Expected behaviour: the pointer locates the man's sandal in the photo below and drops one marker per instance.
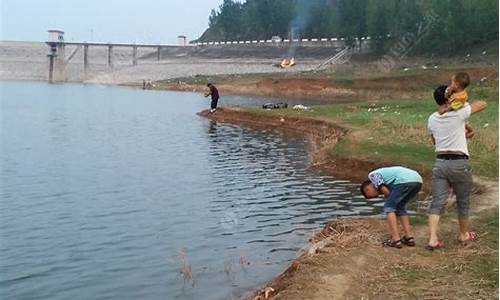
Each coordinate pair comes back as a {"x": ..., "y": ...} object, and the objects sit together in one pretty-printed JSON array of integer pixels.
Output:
[
  {"x": 439, "y": 245},
  {"x": 391, "y": 243},
  {"x": 408, "y": 241}
]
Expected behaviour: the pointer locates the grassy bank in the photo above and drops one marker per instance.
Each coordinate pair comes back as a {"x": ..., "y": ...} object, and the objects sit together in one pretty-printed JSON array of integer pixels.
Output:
[{"x": 395, "y": 132}]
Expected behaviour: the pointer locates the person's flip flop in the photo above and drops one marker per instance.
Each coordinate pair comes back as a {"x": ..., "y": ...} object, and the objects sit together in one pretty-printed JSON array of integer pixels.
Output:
[
  {"x": 439, "y": 245},
  {"x": 472, "y": 237}
]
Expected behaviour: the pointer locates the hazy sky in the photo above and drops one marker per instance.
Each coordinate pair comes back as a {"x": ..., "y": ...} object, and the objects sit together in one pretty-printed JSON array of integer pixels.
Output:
[{"x": 153, "y": 21}]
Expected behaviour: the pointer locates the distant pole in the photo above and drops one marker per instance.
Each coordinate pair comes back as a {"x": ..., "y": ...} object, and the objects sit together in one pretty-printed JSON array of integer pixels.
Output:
[
  {"x": 110, "y": 56},
  {"x": 51, "y": 68},
  {"x": 134, "y": 55},
  {"x": 86, "y": 59},
  {"x": 158, "y": 53}
]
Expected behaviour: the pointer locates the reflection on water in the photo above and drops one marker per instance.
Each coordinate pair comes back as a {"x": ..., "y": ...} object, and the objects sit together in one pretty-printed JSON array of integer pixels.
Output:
[{"x": 127, "y": 194}]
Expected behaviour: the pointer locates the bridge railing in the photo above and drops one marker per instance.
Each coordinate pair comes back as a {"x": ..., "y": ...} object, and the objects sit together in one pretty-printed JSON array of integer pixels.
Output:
[{"x": 282, "y": 42}]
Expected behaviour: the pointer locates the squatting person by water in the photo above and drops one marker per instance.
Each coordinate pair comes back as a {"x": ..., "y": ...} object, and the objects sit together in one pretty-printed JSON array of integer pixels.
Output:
[
  {"x": 399, "y": 185},
  {"x": 452, "y": 168},
  {"x": 214, "y": 92}
]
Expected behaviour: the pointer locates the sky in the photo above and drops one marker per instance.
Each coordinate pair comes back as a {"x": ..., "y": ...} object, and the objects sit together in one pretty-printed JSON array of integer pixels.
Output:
[{"x": 117, "y": 21}]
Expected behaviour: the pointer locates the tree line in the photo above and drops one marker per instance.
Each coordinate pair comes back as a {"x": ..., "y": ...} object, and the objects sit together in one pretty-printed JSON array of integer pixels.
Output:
[{"x": 438, "y": 25}]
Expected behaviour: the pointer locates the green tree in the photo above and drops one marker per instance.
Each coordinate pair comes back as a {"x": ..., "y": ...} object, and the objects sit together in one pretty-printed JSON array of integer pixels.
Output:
[
  {"x": 352, "y": 18},
  {"x": 378, "y": 22},
  {"x": 431, "y": 26}
]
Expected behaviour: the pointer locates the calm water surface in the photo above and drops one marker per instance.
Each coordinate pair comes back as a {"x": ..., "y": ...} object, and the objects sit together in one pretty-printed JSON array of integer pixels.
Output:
[{"x": 114, "y": 193}]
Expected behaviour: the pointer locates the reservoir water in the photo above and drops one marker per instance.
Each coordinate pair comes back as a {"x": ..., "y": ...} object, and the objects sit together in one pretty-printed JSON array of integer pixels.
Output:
[{"x": 116, "y": 193}]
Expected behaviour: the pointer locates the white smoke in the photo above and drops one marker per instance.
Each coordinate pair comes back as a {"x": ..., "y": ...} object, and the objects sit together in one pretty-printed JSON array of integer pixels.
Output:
[{"x": 302, "y": 13}]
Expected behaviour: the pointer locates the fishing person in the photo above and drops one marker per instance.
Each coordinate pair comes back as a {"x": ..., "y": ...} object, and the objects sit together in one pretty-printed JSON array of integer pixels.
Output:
[{"x": 214, "y": 92}]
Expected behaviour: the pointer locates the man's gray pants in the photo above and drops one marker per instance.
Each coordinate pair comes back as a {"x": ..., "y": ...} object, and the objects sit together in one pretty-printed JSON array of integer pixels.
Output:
[{"x": 457, "y": 175}]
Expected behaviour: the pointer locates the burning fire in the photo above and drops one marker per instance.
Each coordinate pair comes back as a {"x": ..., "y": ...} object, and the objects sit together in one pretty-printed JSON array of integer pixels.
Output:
[{"x": 287, "y": 63}]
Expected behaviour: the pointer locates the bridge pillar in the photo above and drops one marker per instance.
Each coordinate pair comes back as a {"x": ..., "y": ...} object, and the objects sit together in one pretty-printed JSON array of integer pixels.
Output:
[
  {"x": 60, "y": 62},
  {"x": 134, "y": 55},
  {"x": 51, "y": 57},
  {"x": 158, "y": 53},
  {"x": 110, "y": 56},
  {"x": 85, "y": 59}
]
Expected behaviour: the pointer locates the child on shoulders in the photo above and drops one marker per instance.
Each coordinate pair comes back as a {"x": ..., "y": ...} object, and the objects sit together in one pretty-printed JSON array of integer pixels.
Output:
[{"x": 455, "y": 93}]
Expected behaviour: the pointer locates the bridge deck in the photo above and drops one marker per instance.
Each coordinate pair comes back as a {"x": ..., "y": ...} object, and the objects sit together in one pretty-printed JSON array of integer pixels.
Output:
[{"x": 112, "y": 44}]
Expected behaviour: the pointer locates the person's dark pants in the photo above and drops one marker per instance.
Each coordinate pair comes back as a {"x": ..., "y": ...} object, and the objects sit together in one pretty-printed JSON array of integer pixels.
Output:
[
  {"x": 400, "y": 195},
  {"x": 213, "y": 104},
  {"x": 457, "y": 175}
]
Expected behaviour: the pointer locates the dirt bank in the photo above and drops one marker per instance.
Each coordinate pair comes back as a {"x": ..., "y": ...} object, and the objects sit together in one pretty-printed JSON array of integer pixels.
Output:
[{"x": 331, "y": 86}]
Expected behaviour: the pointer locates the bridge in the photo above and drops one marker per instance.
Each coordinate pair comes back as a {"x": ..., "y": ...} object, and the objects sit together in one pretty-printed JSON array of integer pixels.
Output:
[{"x": 58, "y": 60}]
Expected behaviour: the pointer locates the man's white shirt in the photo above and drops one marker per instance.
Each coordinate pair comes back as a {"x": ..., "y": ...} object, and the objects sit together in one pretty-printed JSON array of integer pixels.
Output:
[{"x": 448, "y": 130}]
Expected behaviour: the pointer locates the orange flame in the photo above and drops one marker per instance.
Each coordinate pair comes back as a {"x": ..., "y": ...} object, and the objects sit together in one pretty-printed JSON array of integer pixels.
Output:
[{"x": 287, "y": 63}]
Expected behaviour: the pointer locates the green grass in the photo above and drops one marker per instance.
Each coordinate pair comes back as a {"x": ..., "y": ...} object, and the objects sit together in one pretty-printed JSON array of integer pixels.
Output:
[{"x": 396, "y": 131}]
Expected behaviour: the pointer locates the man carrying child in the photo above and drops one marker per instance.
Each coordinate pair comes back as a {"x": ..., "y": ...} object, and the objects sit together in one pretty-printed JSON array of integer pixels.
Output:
[{"x": 449, "y": 132}]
